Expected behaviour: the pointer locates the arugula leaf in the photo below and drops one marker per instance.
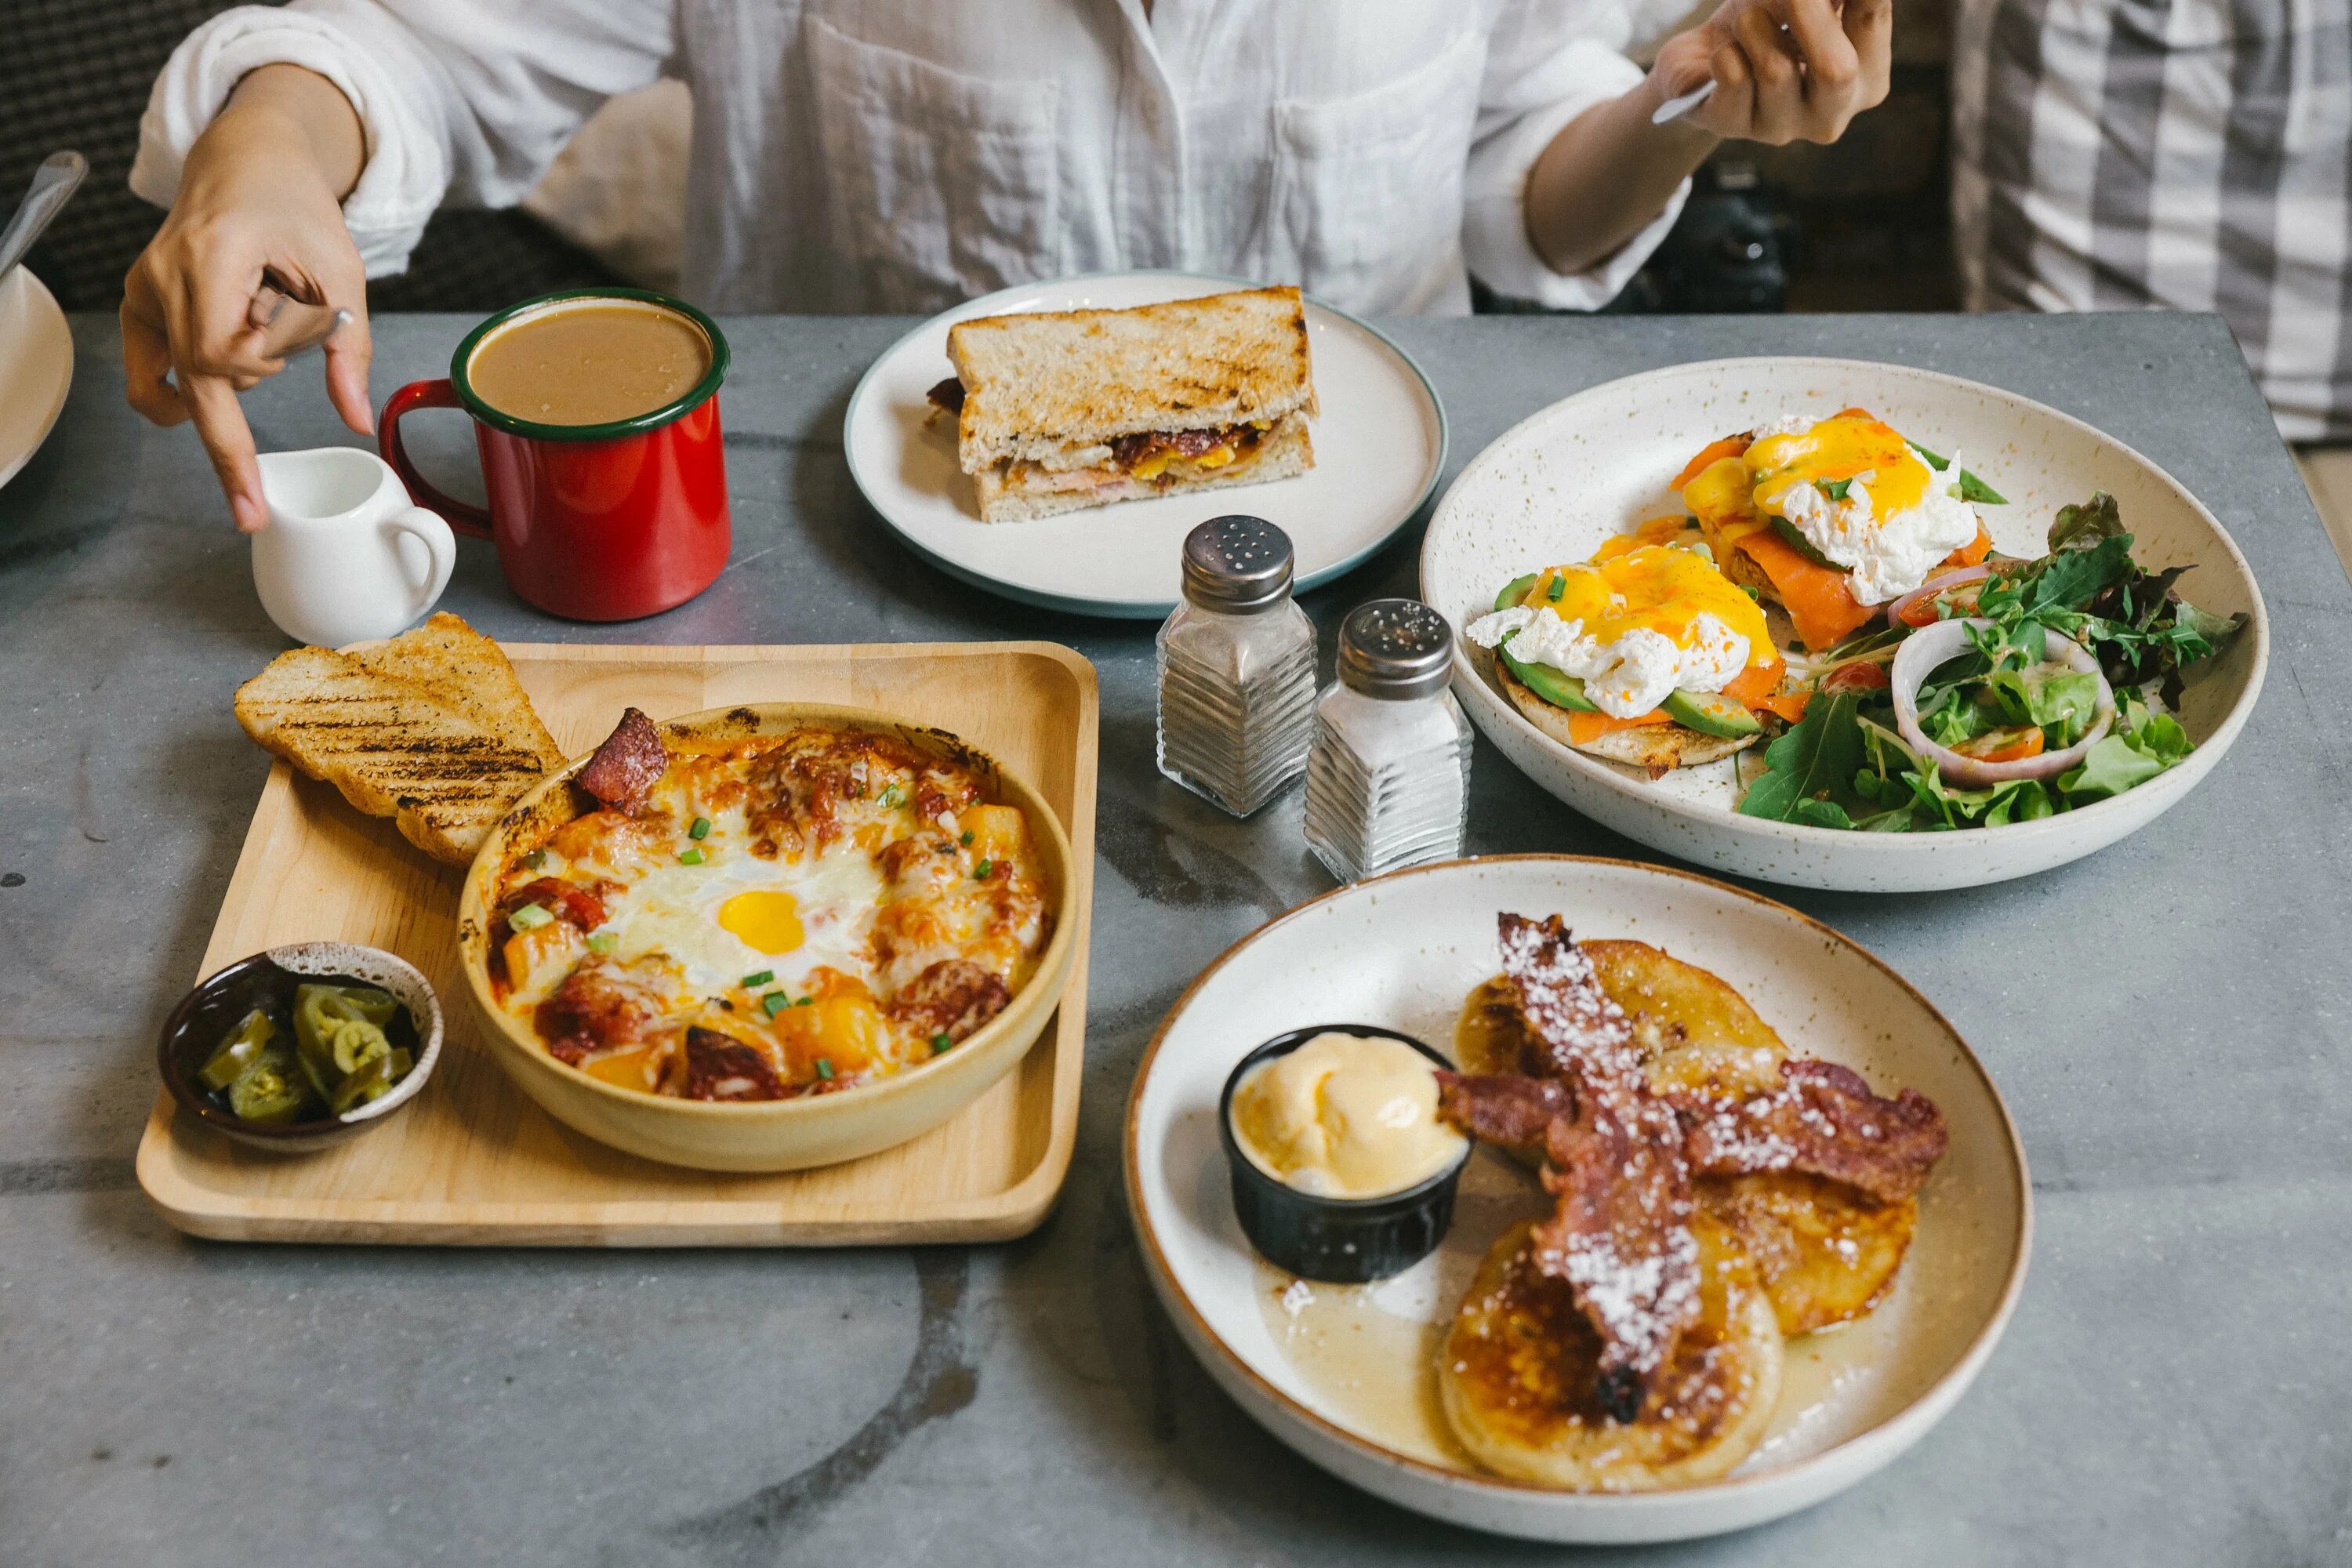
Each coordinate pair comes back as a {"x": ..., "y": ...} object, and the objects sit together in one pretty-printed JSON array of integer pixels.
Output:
[
  {"x": 1973, "y": 488},
  {"x": 1820, "y": 814},
  {"x": 1811, "y": 765}
]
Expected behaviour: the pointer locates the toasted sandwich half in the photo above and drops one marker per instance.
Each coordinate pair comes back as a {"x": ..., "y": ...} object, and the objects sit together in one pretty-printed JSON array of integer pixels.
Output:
[{"x": 1061, "y": 410}]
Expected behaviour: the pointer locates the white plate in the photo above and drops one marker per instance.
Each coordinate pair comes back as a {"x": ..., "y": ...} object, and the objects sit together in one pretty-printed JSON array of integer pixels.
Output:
[
  {"x": 35, "y": 367},
  {"x": 1403, "y": 951},
  {"x": 1593, "y": 465},
  {"x": 1379, "y": 444}
]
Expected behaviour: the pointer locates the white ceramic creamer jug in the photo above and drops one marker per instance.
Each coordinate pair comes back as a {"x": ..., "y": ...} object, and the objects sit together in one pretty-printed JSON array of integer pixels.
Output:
[{"x": 345, "y": 557}]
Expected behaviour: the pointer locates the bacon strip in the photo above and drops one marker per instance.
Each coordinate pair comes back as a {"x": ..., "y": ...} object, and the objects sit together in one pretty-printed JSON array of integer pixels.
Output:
[
  {"x": 1621, "y": 1235},
  {"x": 1575, "y": 1028},
  {"x": 720, "y": 1067},
  {"x": 1823, "y": 1119},
  {"x": 1505, "y": 1108},
  {"x": 1621, "y": 1232},
  {"x": 625, "y": 767}
]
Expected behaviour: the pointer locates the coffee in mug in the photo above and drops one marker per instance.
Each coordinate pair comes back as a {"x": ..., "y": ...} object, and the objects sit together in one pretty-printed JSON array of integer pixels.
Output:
[
  {"x": 597, "y": 418},
  {"x": 589, "y": 362}
]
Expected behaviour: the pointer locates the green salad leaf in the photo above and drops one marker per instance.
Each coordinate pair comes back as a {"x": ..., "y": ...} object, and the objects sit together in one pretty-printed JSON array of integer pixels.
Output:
[{"x": 1810, "y": 766}]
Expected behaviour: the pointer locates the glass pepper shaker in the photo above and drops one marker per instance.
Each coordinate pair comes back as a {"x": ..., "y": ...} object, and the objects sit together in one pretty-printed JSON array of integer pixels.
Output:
[
  {"x": 1236, "y": 668},
  {"x": 1388, "y": 783}
]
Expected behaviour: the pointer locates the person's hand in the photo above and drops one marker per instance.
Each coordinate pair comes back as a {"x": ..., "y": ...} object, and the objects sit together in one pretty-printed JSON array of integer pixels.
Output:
[
  {"x": 261, "y": 190},
  {"x": 1785, "y": 70}
]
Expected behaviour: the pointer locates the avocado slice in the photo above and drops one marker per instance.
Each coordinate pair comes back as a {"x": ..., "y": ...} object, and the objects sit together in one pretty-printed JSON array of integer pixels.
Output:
[
  {"x": 1560, "y": 690},
  {"x": 1804, "y": 546},
  {"x": 1711, "y": 714},
  {"x": 1514, "y": 591}
]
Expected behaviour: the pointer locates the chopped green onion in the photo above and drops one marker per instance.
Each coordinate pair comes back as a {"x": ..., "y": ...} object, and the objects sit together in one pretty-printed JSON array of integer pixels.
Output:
[
  {"x": 700, "y": 830},
  {"x": 602, "y": 941},
  {"x": 775, "y": 1002},
  {"x": 1835, "y": 488},
  {"x": 536, "y": 860},
  {"x": 753, "y": 981},
  {"x": 693, "y": 857},
  {"x": 805, "y": 1002},
  {"x": 1559, "y": 588},
  {"x": 966, "y": 838},
  {"x": 825, "y": 1068},
  {"x": 1933, "y": 459},
  {"x": 893, "y": 796},
  {"x": 530, "y": 917},
  {"x": 980, "y": 871},
  {"x": 939, "y": 1043}
]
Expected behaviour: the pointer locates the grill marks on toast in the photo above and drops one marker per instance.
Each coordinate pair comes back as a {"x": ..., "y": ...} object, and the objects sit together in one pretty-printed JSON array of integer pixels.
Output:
[{"x": 437, "y": 735}]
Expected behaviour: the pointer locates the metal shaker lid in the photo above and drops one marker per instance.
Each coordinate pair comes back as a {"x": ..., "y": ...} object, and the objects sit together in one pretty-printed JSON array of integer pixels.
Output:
[
  {"x": 1237, "y": 564},
  {"x": 1395, "y": 648}
]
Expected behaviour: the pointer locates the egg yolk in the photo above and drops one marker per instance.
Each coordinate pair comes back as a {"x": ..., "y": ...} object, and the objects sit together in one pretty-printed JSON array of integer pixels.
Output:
[
  {"x": 1852, "y": 446},
  {"x": 1653, "y": 587},
  {"x": 762, "y": 920}
]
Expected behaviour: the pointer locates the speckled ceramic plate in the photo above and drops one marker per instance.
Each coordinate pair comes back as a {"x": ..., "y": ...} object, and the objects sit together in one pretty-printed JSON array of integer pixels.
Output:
[
  {"x": 1346, "y": 1374},
  {"x": 35, "y": 367},
  {"x": 1379, "y": 444},
  {"x": 1558, "y": 483}
]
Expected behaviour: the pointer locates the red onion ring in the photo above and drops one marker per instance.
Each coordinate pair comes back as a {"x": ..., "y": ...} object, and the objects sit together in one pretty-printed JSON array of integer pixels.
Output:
[
  {"x": 1934, "y": 586},
  {"x": 1929, "y": 646}
]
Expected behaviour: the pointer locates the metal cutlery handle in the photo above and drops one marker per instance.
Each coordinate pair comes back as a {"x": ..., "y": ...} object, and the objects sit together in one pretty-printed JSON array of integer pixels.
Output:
[{"x": 53, "y": 181}]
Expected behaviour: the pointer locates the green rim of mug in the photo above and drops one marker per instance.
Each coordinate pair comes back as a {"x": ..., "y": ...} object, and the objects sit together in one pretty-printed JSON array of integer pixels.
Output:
[{"x": 613, "y": 429}]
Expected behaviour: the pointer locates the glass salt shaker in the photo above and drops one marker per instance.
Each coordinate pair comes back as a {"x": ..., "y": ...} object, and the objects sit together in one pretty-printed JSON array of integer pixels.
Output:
[
  {"x": 1236, "y": 668},
  {"x": 1388, "y": 783}
]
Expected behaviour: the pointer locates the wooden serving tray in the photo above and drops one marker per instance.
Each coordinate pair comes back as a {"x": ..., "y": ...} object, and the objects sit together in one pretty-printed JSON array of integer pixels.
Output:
[{"x": 473, "y": 1161}]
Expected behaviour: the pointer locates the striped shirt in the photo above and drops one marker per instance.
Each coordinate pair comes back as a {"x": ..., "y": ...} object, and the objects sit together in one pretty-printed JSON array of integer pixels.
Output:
[{"x": 2189, "y": 154}]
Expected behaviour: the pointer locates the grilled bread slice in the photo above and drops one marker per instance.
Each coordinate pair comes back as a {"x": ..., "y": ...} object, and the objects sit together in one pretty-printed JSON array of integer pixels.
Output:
[
  {"x": 1039, "y": 384},
  {"x": 431, "y": 730}
]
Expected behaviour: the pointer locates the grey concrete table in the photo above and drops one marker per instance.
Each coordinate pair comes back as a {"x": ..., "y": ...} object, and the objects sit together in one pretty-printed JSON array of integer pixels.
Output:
[{"x": 2169, "y": 1020}]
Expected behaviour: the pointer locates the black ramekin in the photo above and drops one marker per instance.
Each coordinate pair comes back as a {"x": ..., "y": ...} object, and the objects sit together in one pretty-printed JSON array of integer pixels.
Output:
[{"x": 1346, "y": 1241}]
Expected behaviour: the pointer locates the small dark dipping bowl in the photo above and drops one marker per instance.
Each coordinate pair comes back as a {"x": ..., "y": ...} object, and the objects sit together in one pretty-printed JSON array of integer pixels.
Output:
[
  {"x": 266, "y": 981},
  {"x": 1346, "y": 1241}
]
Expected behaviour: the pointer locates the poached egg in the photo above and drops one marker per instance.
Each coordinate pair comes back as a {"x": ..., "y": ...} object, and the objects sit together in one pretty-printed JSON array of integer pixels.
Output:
[
  {"x": 1853, "y": 489},
  {"x": 1634, "y": 622}
]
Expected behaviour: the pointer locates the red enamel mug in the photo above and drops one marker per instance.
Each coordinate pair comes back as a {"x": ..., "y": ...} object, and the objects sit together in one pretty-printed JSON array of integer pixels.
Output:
[{"x": 594, "y": 523}]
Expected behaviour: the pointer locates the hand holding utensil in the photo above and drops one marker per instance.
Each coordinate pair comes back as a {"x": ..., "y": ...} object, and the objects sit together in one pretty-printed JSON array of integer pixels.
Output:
[{"x": 1777, "y": 70}]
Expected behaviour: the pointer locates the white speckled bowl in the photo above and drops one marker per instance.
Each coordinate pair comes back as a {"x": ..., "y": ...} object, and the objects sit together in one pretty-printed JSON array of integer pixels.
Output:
[
  {"x": 1556, "y": 485},
  {"x": 1401, "y": 951}
]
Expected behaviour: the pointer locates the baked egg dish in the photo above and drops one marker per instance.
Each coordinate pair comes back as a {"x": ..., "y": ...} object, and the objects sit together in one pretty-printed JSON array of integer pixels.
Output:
[{"x": 765, "y": 917}]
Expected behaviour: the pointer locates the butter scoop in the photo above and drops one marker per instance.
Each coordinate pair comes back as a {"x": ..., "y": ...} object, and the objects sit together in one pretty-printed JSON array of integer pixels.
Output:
[{"x": 1345, "y": 1116}]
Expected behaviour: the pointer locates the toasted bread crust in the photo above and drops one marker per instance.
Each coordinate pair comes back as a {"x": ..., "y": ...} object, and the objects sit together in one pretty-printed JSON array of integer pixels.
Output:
[
  {"x": 1038, "y": 382},
  {"x": 443, "y": 755}
]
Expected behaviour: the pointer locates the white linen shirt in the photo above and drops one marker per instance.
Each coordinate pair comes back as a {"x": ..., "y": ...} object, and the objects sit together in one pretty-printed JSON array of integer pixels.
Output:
[{"x": 901, "y": 156}]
